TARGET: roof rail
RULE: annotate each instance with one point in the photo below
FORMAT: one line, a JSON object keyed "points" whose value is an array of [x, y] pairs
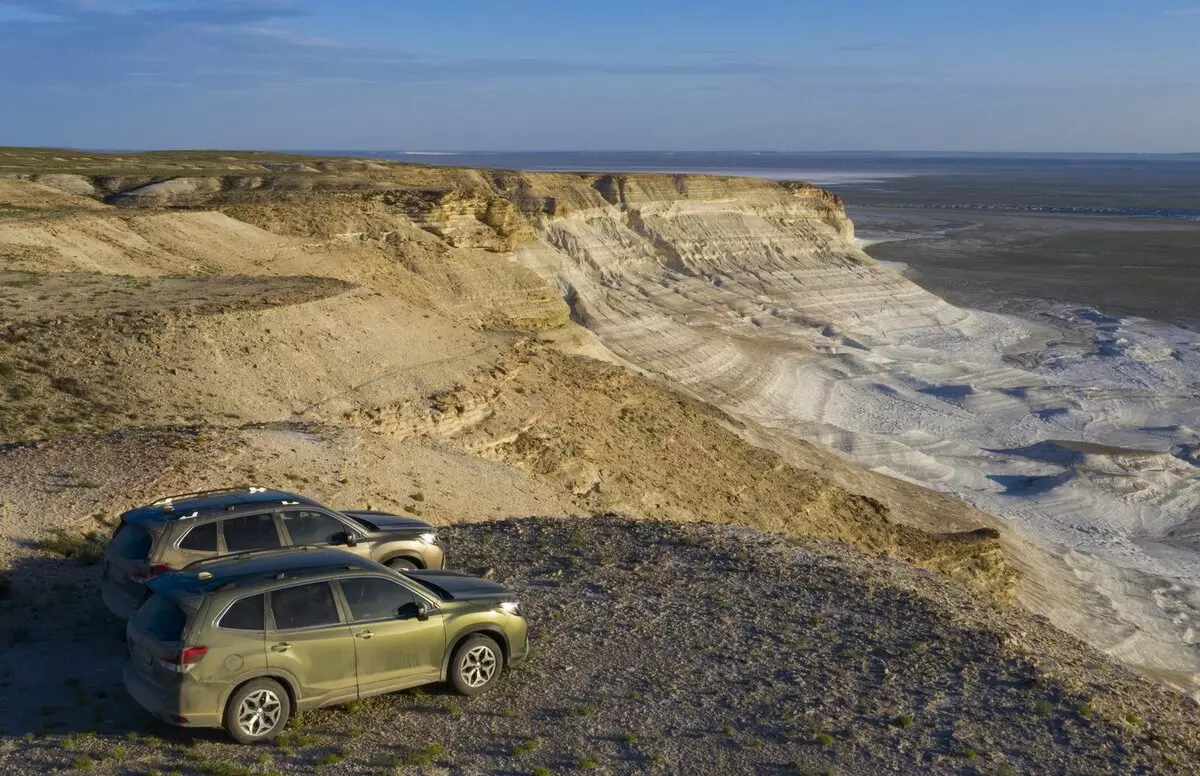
{"points": [[167, 501]]}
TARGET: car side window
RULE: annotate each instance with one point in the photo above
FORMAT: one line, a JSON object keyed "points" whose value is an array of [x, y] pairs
{"points": [[304, 606], [305, 527], [250, 532], [372, 598], [202, 538], [246, 614]]}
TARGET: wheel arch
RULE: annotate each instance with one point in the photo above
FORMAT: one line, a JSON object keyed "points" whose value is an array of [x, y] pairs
{"points": [[284, 681], [406, 555], [485, 629]]}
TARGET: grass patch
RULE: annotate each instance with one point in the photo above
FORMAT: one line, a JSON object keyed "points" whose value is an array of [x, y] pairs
{"points": [[1043, 708], [295, 739], [82, 763], [525, 747], [903, 721], [223, 768], [422, 756], [541, 770], [332, 758], [587, 763], [87, 548]]}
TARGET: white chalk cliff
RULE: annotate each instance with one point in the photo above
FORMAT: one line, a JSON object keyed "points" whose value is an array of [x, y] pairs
{"points": [[755, 296]]}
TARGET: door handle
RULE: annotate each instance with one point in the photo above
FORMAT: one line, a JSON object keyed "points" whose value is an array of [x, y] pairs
{"points": [[365, 634], [282, 646]]}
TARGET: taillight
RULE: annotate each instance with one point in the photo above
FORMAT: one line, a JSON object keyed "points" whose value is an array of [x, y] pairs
{"points": [[153, 571], [184, 660]]}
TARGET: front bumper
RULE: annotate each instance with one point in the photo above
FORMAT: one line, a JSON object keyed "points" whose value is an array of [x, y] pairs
{"points": [[519, 646]]}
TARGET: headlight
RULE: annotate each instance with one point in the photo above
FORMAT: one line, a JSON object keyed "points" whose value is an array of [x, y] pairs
{"points": [[428, 538], [512, 607]]}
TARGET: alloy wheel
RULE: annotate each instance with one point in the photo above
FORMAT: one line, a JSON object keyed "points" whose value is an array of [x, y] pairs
{"points": [[259, 712], [478, 666]]}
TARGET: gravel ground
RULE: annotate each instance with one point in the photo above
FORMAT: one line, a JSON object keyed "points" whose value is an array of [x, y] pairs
{"points": [[659, 648]]}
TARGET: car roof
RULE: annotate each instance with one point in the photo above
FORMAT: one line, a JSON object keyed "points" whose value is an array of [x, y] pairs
{"points": [[205, 503], [249, 569]]}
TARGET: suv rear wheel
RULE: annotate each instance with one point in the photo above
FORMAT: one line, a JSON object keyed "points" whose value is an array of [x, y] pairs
{"points": [[402, 564], [257, 711], [476, 666]]}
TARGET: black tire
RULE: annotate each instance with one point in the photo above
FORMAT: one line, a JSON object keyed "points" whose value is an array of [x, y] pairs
{"points": [[402, 564], [471, 663], [261, 697]]}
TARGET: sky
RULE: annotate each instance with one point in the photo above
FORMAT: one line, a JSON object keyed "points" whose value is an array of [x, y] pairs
{"points": [[940, 75]]}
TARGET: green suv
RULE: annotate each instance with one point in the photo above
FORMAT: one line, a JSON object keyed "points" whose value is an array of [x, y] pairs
{"points": [[178, 530], [242, 642]]}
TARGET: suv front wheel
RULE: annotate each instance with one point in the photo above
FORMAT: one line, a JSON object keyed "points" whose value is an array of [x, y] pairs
{"points": [[257, 711], [476, 666]]}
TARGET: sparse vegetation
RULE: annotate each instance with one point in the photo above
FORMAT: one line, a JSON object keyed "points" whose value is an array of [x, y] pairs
{"points": [[903, 720], [590, 762], [421, 756], [525, 747], [87, 548]]}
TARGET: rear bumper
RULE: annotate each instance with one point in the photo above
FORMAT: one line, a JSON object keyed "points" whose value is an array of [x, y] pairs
{"points": [[119, 602], [164, 703]]}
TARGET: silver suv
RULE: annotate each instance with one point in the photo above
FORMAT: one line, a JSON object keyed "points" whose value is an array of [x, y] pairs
{"points": [[178, 530]]}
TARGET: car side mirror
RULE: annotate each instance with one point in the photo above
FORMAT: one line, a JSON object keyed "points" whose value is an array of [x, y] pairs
{"points": [[422, 612], [349, 539]]}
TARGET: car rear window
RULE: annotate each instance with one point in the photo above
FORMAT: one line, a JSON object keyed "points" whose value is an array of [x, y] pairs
{"points": [[132, 542], [202, 538], [161, 618], [246, 614]]}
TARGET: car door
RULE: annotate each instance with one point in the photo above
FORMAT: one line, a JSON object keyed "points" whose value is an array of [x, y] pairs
{"points": [[396, 645], [308, 642], [249, 532], [310, 526]]}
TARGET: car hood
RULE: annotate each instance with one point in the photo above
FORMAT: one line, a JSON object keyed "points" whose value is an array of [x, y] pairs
{"points": [[459, 587], [384, 521]]}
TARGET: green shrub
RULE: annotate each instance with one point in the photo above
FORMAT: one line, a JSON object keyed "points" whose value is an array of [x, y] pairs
{"points": [[87, 548]]}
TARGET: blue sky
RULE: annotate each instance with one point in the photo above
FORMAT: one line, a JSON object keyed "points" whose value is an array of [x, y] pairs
{"points": [[1067, 75]]}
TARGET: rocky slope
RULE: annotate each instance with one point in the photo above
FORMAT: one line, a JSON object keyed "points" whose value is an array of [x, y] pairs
{"points": [[500, 343]]}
